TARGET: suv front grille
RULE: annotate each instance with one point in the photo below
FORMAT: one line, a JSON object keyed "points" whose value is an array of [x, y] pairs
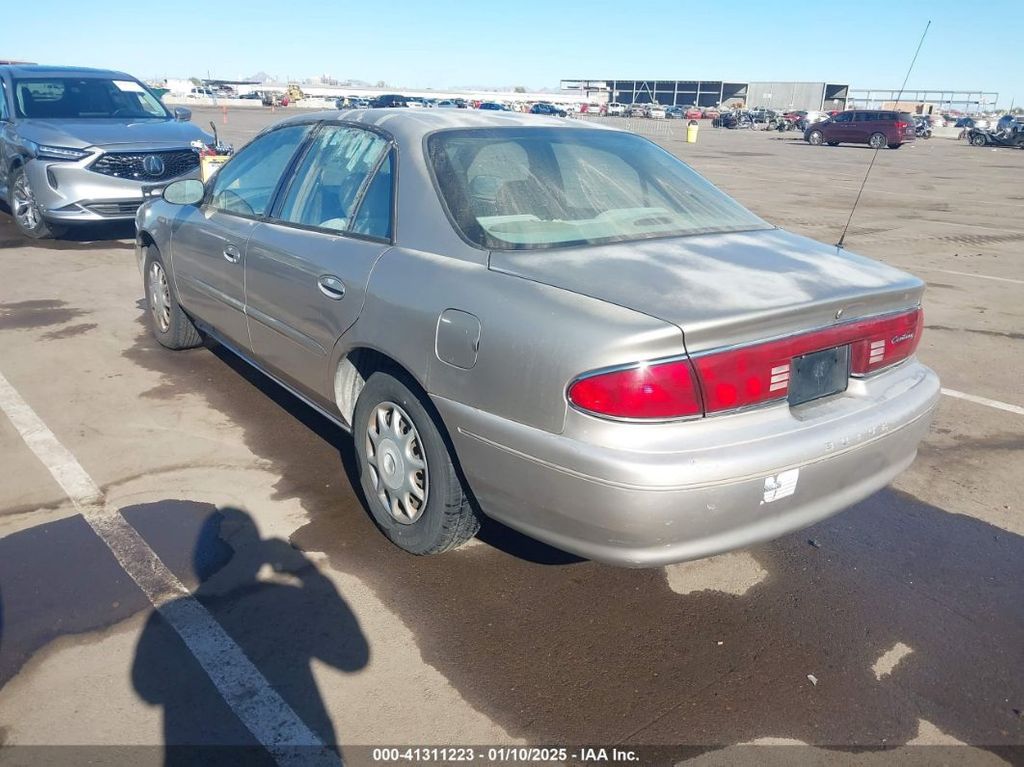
{"points": [[133, 165]]}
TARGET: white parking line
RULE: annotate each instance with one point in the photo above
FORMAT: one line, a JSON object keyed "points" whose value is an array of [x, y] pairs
{"points": [[984, 401], [263, 711], [980, 276]]}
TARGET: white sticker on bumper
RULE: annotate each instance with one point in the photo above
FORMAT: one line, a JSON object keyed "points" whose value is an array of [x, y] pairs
{"points": [[780, 485]]}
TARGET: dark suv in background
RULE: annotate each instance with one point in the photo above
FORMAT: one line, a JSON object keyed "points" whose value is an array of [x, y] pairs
{"points": [[877, 128], [86, 145]]}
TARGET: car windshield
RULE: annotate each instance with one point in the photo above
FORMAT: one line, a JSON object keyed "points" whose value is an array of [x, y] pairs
{"points": [[63, 98], [533, 188]]}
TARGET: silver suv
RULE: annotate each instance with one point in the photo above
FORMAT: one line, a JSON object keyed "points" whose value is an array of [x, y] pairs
{"points": [[86, 145]]}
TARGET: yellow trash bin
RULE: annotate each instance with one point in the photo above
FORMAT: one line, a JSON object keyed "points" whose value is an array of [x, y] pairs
{"points": [[691, 132]]}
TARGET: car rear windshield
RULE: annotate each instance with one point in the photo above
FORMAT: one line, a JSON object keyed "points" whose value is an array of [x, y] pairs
{"points": [[534, 188], [64, 98]]}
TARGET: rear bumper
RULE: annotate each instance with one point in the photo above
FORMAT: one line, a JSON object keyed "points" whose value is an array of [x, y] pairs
{"points": [[735, 480], [68, 192]]}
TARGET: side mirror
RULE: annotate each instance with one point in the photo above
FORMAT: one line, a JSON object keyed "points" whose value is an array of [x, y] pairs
{"points": [[187, 191], [182, 115]]}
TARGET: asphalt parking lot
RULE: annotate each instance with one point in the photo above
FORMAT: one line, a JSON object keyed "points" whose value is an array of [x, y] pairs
{"points": [[899, 621]]}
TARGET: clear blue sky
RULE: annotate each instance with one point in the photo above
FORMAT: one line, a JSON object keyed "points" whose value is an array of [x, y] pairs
{"points": [[434, 43]]}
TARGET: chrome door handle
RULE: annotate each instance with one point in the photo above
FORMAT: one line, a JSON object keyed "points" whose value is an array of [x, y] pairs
{"points": [[232, 254], [331, 287]]}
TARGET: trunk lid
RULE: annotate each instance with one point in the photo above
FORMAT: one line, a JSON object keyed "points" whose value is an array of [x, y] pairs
{"points": [[724, 289]]}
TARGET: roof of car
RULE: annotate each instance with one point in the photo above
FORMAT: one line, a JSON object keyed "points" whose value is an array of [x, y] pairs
{"points": [[414, 124], [44, 70]]}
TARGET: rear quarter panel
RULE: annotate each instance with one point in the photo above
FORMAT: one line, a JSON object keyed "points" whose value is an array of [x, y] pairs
{"points": [[534, 338]]}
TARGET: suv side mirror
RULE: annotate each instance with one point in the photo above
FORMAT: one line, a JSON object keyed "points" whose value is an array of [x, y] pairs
{"points": [[182, 115], [187, 191]]}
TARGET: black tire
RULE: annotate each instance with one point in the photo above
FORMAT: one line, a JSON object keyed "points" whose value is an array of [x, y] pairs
{"points": [[895, 146], [877, 140], [978, 140], [42, 229], [170, 326], [833, 143], [447, 519], [815, 138]]}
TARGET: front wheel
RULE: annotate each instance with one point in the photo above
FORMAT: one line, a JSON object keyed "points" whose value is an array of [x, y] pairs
{"points": [[27, 215], [878, 141], [170, 325], [407, 469], [815, 138], [978, 140]]}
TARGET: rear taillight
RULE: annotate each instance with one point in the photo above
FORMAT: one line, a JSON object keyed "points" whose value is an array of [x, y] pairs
{"points": [[742, 377], [901, 126], [886, 342], [649, 390]]}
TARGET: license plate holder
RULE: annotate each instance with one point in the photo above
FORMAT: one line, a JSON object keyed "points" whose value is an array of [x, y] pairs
{"points": [[819, 374]]}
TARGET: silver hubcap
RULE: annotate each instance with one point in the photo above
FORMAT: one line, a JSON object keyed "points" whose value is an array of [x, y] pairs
{"points": [[397, 462], [159, 297], [878, 141], [815, 138], [25, 208]]}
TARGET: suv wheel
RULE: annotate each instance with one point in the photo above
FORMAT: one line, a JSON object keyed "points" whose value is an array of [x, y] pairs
{"points": [[815, 138], [25, 209], [407, 470], [878, 141]]}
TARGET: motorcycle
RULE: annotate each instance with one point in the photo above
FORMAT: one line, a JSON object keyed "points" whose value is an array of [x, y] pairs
{"points": [[922, 129]]}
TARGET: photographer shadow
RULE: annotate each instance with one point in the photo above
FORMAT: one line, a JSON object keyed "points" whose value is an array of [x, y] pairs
{"points": [[276, 606]]}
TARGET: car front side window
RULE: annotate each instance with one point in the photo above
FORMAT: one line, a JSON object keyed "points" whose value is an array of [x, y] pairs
{"points": [[245, 185], [329, 184]]}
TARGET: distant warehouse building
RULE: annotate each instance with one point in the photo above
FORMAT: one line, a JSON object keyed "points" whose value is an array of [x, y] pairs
{"points": [[711, 93]]}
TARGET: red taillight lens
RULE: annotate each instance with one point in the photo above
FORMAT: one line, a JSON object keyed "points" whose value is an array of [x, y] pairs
{"points": [[888, 341], [650, 390], [749, 375]]}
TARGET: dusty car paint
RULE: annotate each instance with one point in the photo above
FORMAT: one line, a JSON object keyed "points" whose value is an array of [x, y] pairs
{"points": [[637, 494]]}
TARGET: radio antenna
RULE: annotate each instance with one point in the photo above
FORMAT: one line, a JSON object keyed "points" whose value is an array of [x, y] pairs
{"points": [[842, 237]]}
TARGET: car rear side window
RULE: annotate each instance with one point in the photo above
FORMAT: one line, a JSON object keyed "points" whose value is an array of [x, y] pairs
{"points": [[534, 188], [330, 182], [246, 184]]}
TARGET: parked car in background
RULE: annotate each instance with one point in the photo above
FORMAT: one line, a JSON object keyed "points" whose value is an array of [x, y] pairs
{"points": [[875, 127], [674, 113], [493, 106], [447, 104], [389, 101], [711, 113], [615, 109], [656, 111], [637, 110], [410, 296], [693, 113], [543, 108], [86, 145]]}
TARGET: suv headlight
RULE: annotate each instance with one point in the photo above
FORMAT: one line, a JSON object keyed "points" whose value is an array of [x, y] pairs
{"points": [[45, 152]]}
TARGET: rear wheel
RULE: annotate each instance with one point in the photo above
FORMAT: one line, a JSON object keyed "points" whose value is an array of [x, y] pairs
{"points": [[978, 140], [815, 138], [407, 469], [877, 141], [895, 146], [27, 215], [170, 325]]}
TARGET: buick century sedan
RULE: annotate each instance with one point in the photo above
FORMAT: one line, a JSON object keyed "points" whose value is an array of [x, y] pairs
{"points": [[555, 324]]}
